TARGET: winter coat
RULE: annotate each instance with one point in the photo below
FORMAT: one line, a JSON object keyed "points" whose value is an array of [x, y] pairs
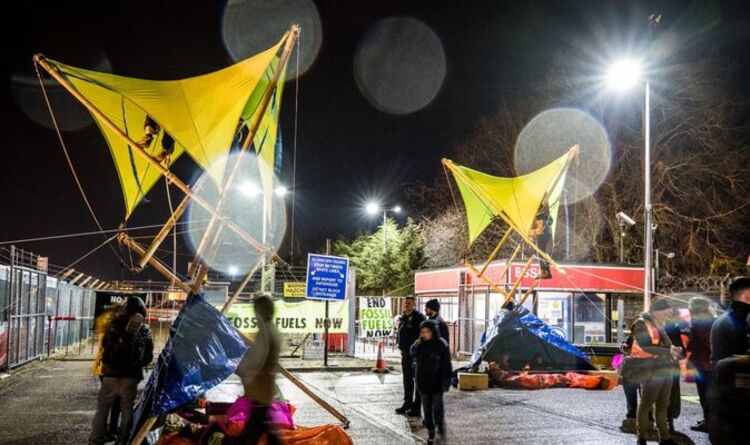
{"points": [[408, 330], [699, 345], [442, 327], [660, 361], [729, 332], [125, 354], [433, 361]]}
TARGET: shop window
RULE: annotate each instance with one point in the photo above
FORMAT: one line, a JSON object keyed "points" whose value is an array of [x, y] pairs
{"points": [[590, 320]]}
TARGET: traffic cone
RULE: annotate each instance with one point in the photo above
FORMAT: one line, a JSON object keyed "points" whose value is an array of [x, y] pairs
{"points": [[379, 362]]}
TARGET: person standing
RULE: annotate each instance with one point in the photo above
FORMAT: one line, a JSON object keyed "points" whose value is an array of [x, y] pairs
{"points": [[729, 332], [432, 311], [408, 332], [728, 394], [433, 374], [127, 348], [652, 348], [257, 371], [674, 327], [699, 352]]}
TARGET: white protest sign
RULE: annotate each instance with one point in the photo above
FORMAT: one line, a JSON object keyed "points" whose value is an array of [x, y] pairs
{"points": [[375, 317]]}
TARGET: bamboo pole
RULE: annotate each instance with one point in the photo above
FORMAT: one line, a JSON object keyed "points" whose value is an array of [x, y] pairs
{"points": [[293, 35], [156, 264], [496, 251], [527, 293], [171, 177], [518, 281], [245, 280], [489, 282], [143, 431], [159, 238]]}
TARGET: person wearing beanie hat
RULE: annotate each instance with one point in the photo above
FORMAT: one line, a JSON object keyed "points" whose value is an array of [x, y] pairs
{"points": [[432, 310], [652, 348], [699, 347]]}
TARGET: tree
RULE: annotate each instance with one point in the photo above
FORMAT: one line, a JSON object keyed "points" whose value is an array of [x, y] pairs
{"points": [[386, 259]]}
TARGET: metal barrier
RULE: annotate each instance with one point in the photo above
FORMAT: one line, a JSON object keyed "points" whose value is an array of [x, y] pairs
{"points": [[39, 314]]}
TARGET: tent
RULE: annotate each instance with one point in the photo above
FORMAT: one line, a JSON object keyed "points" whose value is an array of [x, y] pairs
{"points": [[517, 340]]}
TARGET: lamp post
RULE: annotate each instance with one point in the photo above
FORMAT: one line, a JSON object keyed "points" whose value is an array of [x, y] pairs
{"points": [[623, 75], [373, 208]]}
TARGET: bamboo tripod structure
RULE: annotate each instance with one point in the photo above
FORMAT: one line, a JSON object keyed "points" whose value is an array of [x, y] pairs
{"points": [[512, 228], [147, 255], [291, 38]]}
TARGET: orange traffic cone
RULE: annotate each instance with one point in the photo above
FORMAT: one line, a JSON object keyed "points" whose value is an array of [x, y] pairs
{"points": [[379, 362]]}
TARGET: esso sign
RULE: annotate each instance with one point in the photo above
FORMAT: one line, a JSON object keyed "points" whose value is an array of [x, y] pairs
{"points": [[533, 272]]}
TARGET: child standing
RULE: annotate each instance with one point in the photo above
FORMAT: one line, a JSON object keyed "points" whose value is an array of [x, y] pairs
{"points": [[434, 370]]}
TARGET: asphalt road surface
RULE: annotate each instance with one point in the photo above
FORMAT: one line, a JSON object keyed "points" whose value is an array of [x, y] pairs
{"points": [[54, 404]]}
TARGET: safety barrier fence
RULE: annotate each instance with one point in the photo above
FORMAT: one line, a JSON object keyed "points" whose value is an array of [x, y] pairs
{"points": [[39, 315]]}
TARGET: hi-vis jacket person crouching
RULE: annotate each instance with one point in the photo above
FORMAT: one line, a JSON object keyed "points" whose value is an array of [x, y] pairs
{"points": [[652, 363]]}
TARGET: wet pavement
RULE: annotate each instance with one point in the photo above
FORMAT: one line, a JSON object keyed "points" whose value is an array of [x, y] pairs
{"points": [[53, 403]]}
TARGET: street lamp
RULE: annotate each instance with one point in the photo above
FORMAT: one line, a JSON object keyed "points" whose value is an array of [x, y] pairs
{"points": [[623, 75], [373, 208]]}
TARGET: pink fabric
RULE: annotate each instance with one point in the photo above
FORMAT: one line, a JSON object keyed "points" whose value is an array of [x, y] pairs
{"points": [[281, 415], [237, 416], [617, 361]]}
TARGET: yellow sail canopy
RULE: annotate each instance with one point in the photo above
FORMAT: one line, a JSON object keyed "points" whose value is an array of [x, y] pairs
{"points": [[265, 140], [200, 113], [517, 199]]}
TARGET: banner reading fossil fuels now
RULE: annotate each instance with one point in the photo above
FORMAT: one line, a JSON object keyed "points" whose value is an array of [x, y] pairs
{"points": [[302, 317]]}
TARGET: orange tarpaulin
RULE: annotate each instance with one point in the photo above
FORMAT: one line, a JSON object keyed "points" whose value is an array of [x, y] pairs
{"points": [[526, 380], [319, 435]]}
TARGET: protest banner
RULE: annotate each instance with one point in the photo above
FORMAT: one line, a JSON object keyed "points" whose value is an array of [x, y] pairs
{"points": [[303, 317], [375, 317]]}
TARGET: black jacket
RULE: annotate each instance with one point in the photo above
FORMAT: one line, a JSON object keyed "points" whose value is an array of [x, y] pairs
{"points": [[408, 330], [699, 345], [729, 332], [125, 354], [433, 361], [442, 327]]}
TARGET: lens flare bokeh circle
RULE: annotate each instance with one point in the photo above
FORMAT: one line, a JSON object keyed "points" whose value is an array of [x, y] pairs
{"points": [[551, 133], [245, 203]]}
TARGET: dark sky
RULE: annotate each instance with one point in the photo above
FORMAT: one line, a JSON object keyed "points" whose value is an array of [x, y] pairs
{"points": [[348, 150]]}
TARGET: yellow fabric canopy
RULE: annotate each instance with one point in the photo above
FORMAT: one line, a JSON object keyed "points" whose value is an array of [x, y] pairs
{"points": [[200, 113], [518, 199]]}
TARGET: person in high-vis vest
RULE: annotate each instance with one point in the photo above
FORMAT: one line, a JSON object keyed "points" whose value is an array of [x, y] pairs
{"points": [[651, 344]]}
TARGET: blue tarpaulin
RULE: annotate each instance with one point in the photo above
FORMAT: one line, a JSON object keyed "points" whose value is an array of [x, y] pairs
{"points": [[203, 350], [518, 338]]}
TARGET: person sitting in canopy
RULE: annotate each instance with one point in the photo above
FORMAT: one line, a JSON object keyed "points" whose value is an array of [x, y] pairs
{"points": [[541, 232], [152, 129]]}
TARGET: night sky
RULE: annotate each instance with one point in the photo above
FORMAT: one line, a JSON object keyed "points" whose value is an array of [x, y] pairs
{"points": [[348, 149]]}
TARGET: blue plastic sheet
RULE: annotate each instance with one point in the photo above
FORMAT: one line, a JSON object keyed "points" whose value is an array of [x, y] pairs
{"points": [[203, 350], [520, 338]]}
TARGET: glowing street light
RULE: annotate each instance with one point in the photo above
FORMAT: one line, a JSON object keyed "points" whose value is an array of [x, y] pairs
{"points": [[372, 208], [623, 75]]}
